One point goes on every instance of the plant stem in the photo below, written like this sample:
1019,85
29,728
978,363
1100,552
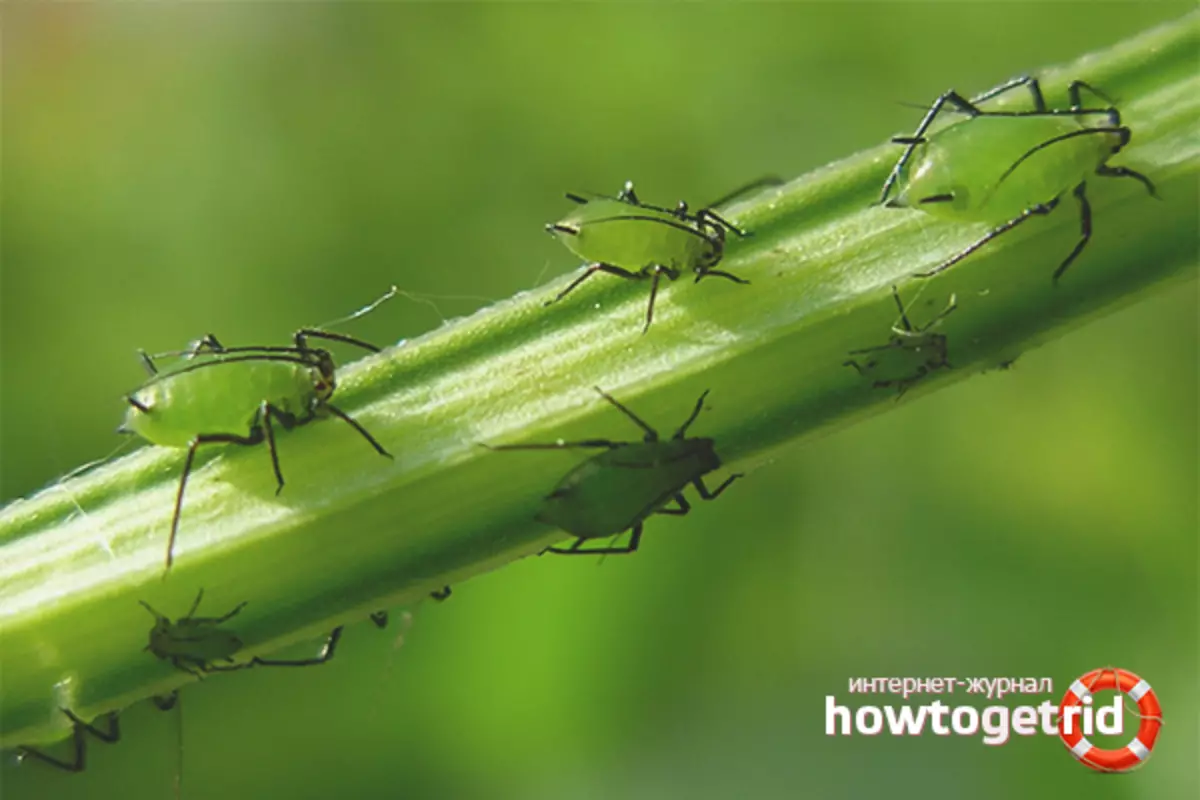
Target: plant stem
353,532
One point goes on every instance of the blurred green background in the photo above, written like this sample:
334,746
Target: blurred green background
171,170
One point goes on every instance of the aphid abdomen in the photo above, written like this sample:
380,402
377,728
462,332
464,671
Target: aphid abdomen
612,491
631,237
220,397
991,169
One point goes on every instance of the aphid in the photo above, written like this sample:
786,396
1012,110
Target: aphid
634,240
1004,167
617,489
193,644
235,395
79,762
932,347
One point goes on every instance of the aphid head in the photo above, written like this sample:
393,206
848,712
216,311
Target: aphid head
1125,135
323,372
714,233
160,632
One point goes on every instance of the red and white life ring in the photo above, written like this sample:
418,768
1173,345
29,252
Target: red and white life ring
1138,749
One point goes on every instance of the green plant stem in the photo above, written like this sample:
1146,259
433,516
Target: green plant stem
354,532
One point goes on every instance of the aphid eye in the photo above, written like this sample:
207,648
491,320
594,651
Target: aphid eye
948,197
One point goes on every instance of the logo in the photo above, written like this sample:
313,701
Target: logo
1075,718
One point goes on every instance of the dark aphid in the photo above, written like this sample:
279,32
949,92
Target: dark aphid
79,728
194,644
617,489
235,395
928,349
1004,167
634,240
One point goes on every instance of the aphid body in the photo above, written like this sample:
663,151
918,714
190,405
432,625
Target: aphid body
921,350
226,392
235,395
193,643
1005,167
1010,173
633,240
618,488
637,237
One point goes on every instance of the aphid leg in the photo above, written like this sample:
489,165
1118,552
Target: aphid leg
327,653
657,270
1039,210
911,331
236,610
860,369
1085,230
576,549
1126,172
651,434
442,594
264,412
79,727
628,195
719,273
380,618
707,214
950,308
596,443
679,434
891,345
1073,92
165,702
138,404
705,494
953,98
681,509
147,362
181,664
1035,89
342,415
591,270
207,344
111,736
255,437
903,311
301,339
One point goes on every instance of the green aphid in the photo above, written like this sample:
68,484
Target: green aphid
194,644
617,489
78,730
929,350
634,240
235,395
1005,167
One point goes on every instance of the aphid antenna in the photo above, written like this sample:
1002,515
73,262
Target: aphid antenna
651,434
430,300
195,605
764,182
682,432
362,312
154,614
